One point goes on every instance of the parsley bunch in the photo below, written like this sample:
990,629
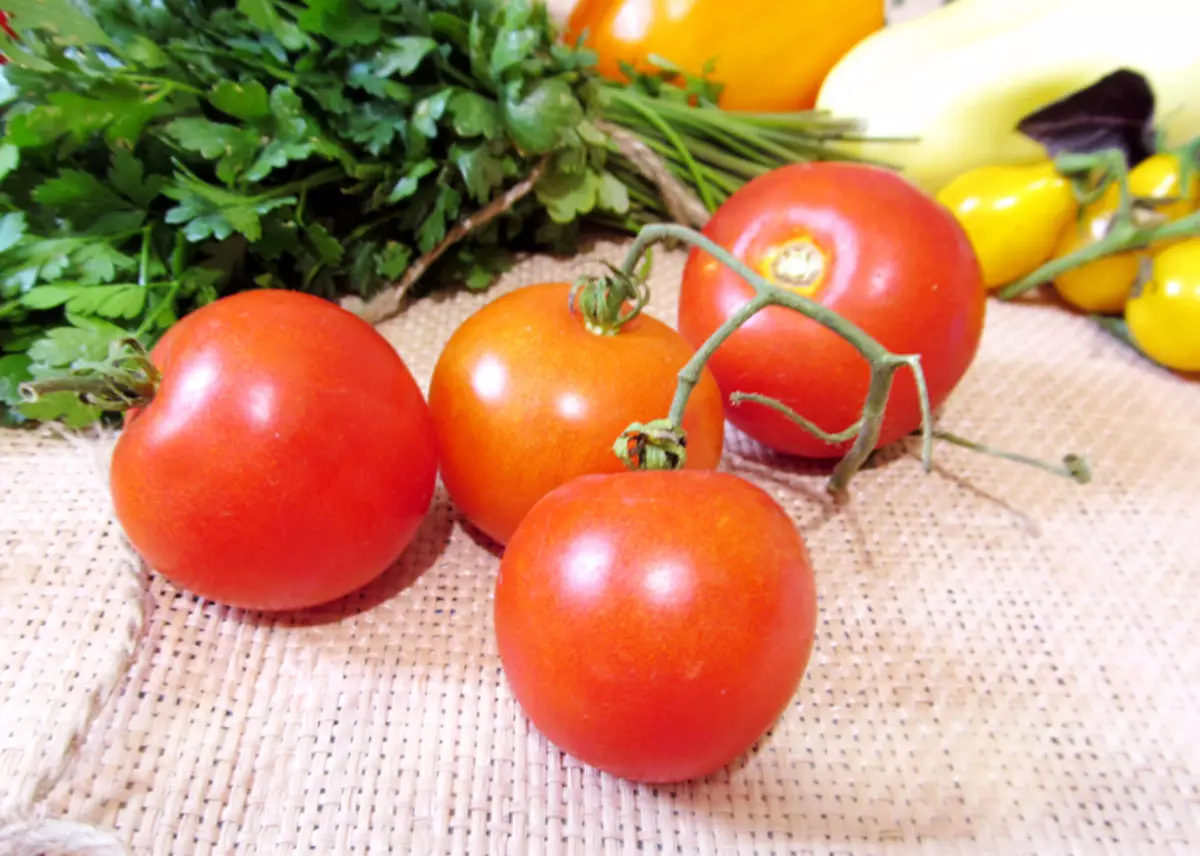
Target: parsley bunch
158,155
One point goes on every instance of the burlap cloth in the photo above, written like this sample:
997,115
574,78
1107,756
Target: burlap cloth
1006,662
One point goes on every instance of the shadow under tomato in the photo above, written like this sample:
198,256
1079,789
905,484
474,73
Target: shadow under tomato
423,552
479,537
1043,295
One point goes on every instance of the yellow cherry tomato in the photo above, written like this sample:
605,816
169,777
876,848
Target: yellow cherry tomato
1158,177
1012,214
1164,318
1101,286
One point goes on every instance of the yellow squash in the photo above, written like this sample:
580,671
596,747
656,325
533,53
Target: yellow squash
960,78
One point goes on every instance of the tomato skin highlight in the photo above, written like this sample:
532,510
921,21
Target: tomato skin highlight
287,459
897,263
655,625
525,398
1160,177
773,59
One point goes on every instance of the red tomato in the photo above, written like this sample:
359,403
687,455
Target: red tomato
772,58
655,624
286,459
525,397
869,245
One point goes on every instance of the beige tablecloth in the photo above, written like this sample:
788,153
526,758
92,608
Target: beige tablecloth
1006,662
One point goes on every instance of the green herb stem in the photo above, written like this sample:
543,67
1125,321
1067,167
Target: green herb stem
151,319
669,133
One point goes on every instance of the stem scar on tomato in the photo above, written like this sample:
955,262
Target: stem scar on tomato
798,264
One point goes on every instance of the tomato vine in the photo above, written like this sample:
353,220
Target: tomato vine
1134,225
662,443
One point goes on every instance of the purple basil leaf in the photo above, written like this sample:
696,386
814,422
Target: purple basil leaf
1115,112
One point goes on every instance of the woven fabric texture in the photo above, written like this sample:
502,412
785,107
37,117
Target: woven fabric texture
1006,662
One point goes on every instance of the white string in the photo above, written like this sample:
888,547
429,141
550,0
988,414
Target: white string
21,834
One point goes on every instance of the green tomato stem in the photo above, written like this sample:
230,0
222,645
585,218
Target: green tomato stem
662,443
809,426
127,381
883,362
601,301
1073,466
114,394
689,375
1123,237
880,388
1125,234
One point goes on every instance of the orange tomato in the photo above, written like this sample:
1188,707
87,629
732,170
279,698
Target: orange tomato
525,397
771,55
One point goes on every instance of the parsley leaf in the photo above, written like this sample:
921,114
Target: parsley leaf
242,101
540,120
128,175
12,229
403,55
79,190
157,156
473,115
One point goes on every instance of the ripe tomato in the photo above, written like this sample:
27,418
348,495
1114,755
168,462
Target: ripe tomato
1013,215
1164,317
772,59
286,459
869,245
655,624
525,397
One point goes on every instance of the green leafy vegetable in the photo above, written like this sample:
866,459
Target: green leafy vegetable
157,155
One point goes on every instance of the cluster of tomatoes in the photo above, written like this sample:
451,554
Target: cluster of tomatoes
1020,218
653,623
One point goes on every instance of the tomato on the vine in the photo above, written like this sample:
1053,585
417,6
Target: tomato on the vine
869,245
285,459
1013,215
527,394
773,59
1160,177
1164,316
655,624
1102,285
